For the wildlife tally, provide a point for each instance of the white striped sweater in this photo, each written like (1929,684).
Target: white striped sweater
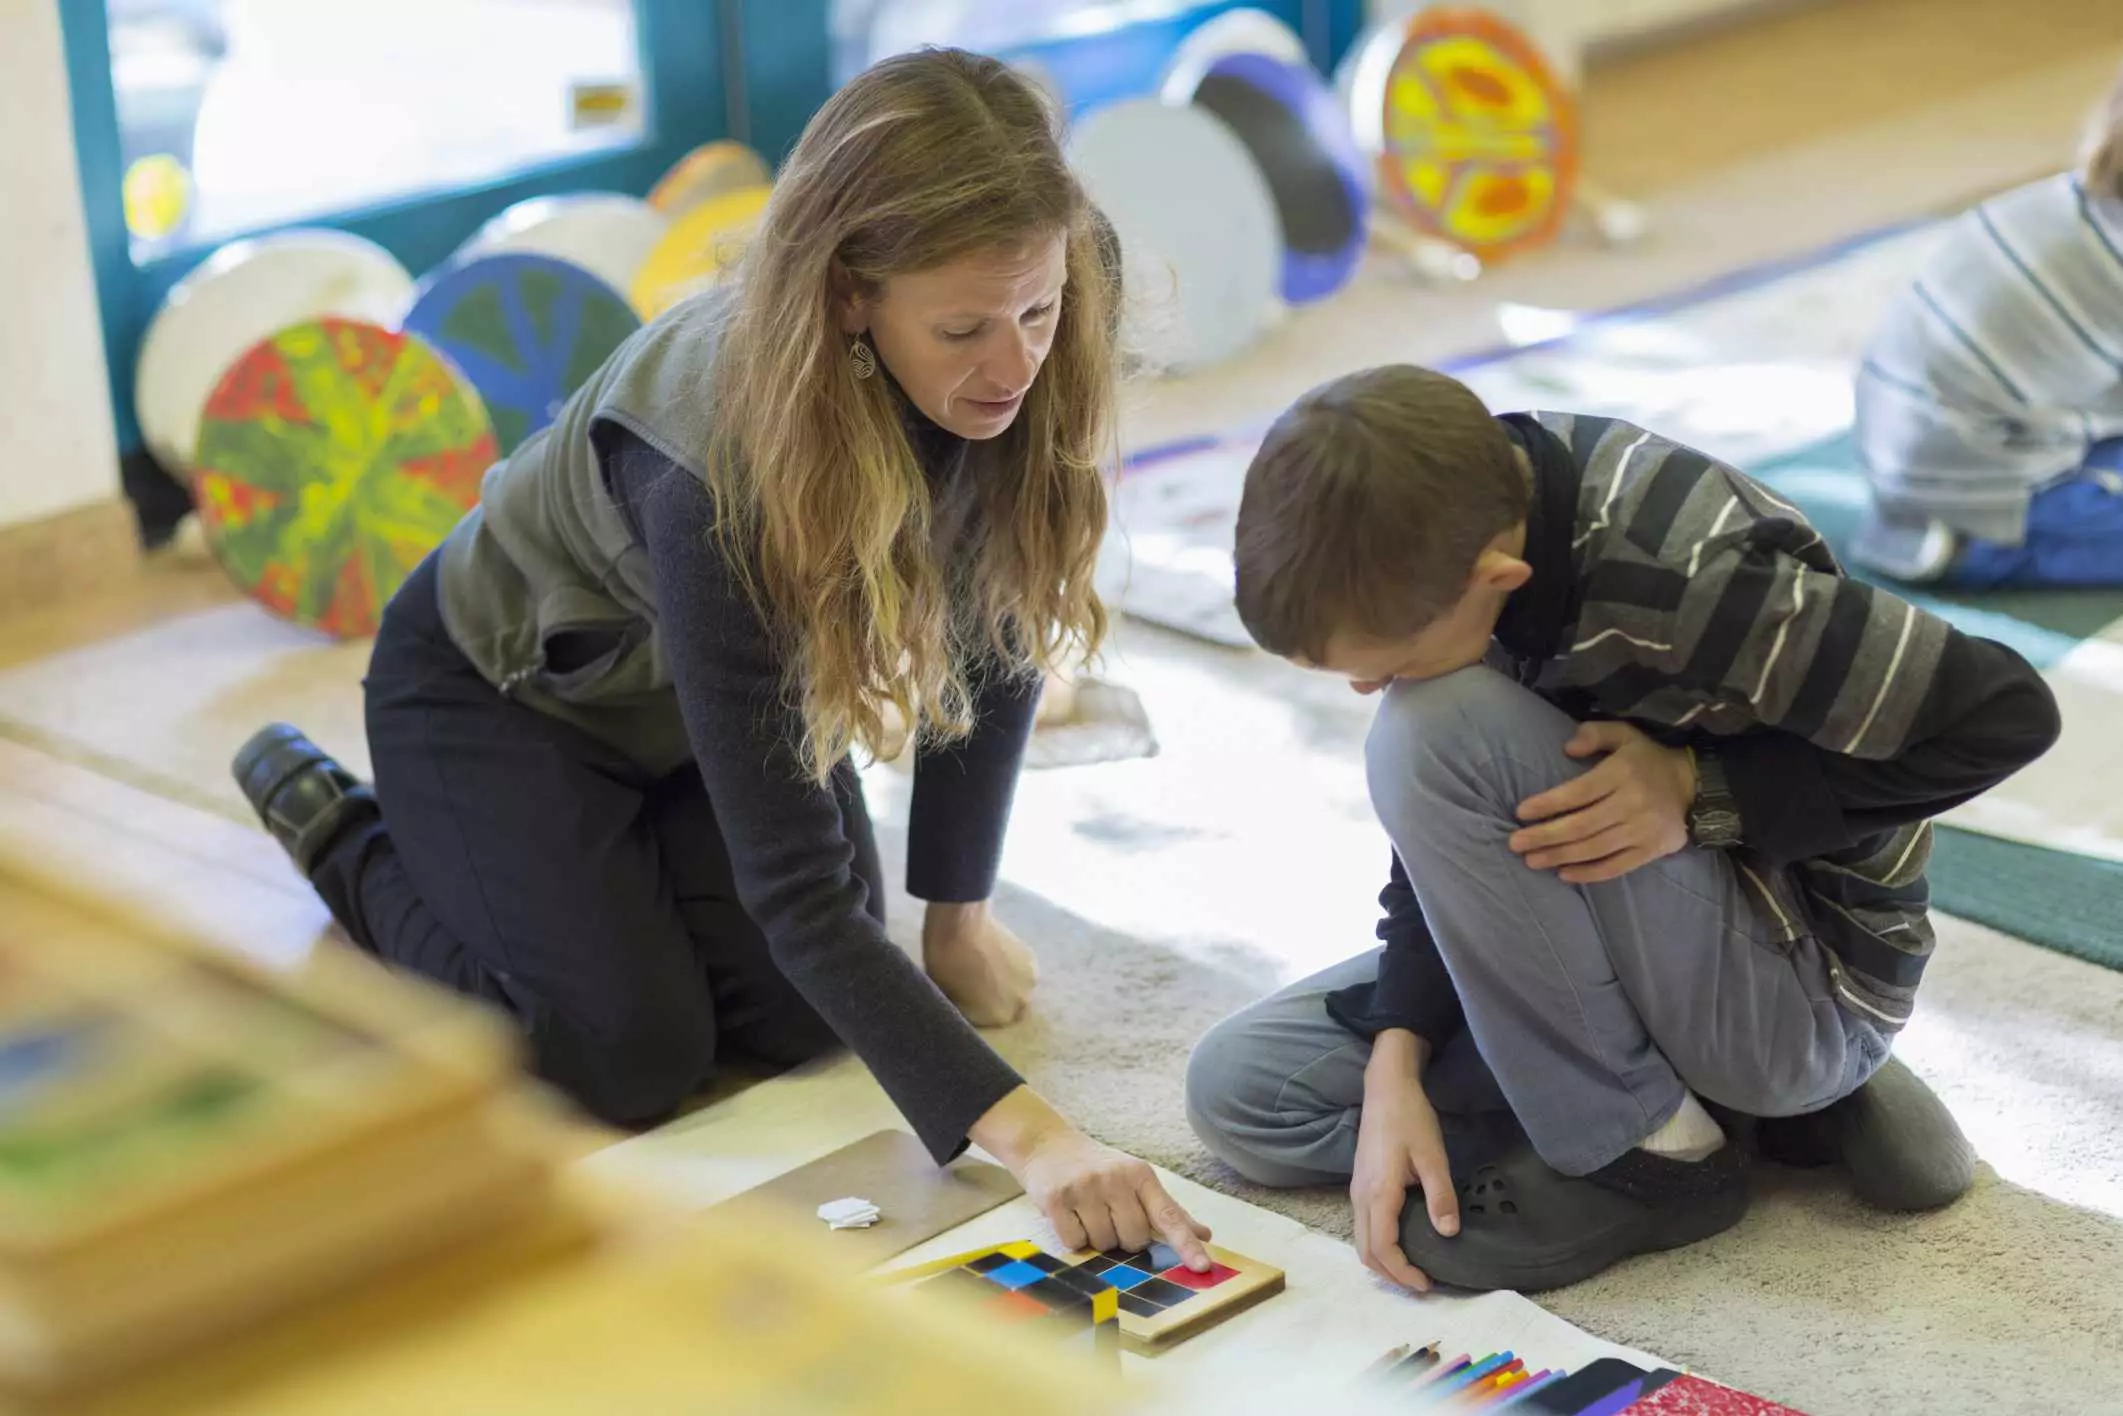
(2001,363)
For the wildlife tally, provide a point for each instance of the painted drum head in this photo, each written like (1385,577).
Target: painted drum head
(526,330)
(607,234)
(1474,137)
(1242,31)
(1298,134)
(710,170)
(1201,247)
(699,246)
(333,457)
(238,296)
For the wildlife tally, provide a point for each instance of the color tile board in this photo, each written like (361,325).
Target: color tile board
(892,1170)
(526,330)
(1161,1301)
(333,457)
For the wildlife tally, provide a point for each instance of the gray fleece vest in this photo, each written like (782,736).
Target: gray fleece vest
(546,553)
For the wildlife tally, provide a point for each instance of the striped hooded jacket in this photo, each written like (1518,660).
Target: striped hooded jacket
(1675,593)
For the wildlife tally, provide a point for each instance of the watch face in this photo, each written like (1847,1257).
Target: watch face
(1716,824)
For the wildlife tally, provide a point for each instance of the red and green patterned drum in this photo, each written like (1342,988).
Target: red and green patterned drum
(332,458)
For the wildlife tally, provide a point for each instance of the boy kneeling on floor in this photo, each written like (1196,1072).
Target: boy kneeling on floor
(1658,780)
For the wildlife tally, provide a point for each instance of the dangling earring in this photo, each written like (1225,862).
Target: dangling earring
(861,357)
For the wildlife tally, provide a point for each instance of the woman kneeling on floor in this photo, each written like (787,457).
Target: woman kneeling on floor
(612,718)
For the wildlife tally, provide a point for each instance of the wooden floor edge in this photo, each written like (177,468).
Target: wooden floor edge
(67,555)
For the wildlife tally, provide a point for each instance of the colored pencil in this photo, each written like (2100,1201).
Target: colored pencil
(1468,1376)
(1510,1391)
(1487,1382)
(1390,1359)
(1505,1374)
(1443,1370)
(1418,1361)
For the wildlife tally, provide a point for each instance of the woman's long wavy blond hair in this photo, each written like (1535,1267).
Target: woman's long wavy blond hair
(822,503)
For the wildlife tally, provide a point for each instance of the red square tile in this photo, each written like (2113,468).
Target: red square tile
(1016,1307)
(1187,1278)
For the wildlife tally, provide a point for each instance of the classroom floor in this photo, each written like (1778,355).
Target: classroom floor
(1932,102)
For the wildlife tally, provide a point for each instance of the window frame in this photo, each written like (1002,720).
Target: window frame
(689,82)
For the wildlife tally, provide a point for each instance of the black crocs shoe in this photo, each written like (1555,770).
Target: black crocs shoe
(304,797)
(1526,1226)
(1903,1148)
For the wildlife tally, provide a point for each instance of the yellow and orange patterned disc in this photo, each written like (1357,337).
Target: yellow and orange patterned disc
(1480,138)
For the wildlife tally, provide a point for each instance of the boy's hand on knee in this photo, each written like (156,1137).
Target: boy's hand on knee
(1628,811)
(1398,1145)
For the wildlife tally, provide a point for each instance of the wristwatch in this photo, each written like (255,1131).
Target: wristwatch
(1713,817)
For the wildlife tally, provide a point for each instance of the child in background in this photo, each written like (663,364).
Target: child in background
(1990,402)
(1658,779)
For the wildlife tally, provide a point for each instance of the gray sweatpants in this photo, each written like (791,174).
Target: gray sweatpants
(1590,1009)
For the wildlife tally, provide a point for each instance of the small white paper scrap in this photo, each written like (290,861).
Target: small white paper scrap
(850,1213)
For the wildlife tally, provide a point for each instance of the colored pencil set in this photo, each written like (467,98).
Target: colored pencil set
(1461,1383)
(1432,1381)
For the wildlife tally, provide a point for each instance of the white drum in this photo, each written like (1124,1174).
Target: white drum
(1232,32)
(1201,248)
(607,234)
(238,296)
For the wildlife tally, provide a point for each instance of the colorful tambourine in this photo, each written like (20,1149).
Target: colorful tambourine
(1250,70)
(238,296)
(607,234)
(710,170)
(1201,250)
(1474,137)
(333,457)
(699,247)
(526,330)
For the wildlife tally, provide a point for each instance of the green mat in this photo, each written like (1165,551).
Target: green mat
(2070,903)
(2063,901)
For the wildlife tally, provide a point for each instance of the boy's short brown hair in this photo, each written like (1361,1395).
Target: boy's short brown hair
(1366,508)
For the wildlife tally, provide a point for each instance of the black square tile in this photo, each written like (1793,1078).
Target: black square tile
(1129,1303)
(1070,1310)
(1047,1263)
(1122,1256)
(1084,1283)
(1054,1293)
(1097,1263)
(990,1261)
(962,1281)
(1162,1291)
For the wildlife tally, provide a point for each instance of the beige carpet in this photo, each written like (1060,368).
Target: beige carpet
(1162,894)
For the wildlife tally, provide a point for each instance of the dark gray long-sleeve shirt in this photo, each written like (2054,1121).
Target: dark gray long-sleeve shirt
(791,858)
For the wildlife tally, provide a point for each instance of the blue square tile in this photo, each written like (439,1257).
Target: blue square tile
(1016,1275)
(1122,1276)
